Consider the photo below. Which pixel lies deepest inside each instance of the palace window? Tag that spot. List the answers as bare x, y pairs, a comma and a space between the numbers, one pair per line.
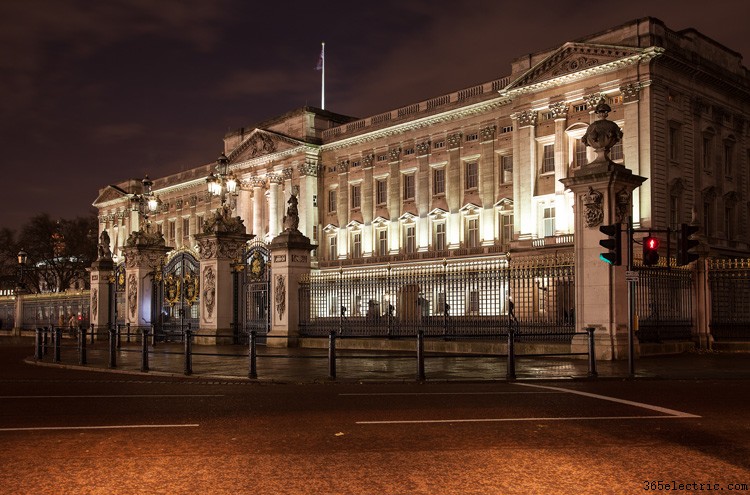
356, 251
382, 242
333, 252
548, 158
199, 223
408, 151
729, 223
332, 201
410, 239
473, 308
472, 175
581, 107
438, 181
408, 187
185, 229
356, 197
708, 213
674, 211
172, 232
728, 155
438, 144
507, 128
615, 153
706, 153
439, 243
506, 169
472, 137
579, 153
506, 228
381, 192
472, 232
382, 157
548, 221
674, 142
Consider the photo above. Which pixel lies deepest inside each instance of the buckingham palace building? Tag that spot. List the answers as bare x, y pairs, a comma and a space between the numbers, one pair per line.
396, 204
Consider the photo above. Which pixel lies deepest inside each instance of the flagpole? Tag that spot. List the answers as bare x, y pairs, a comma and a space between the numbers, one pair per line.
323, 76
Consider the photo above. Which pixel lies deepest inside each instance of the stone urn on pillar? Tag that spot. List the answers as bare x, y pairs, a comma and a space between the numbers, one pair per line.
603, 196
222, 242
290, 260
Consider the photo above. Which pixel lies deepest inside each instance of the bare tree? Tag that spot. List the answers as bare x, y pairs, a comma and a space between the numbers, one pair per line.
59, 251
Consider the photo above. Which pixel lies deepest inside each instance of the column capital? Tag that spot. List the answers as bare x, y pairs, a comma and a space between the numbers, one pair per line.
275, 178
526, 118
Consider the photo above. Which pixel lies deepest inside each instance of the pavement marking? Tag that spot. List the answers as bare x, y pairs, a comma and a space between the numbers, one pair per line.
124, 396
671, 412
377, 394
511, 420
112, 427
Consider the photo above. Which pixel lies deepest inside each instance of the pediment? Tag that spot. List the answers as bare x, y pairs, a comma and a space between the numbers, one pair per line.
261, 142
110, 193
571, 58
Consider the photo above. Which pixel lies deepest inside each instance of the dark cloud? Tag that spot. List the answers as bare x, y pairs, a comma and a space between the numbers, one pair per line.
93, 93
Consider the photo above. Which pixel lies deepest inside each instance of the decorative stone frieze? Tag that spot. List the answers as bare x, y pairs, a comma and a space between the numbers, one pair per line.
258, 181
527, 118
592, 99
423, 148
488, 132
132, 294
280, 295
559, 110
275, 178
308, 169
630, 92
454, 140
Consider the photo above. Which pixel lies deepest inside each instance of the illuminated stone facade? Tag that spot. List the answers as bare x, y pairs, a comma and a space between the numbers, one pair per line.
478, 170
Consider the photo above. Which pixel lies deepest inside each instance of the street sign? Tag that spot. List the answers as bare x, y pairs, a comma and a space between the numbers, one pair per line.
631, 276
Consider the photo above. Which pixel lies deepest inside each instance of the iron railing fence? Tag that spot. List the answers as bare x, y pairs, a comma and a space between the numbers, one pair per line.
729, 281
477, 298
7, 313
63, 309
664, 301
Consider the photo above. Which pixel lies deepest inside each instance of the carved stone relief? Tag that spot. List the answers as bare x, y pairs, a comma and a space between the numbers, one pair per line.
280, 295
593, 211
132, 294
209, 292
94, 302
622, 205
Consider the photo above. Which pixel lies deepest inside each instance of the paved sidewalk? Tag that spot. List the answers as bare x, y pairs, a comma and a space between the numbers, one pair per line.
295, 365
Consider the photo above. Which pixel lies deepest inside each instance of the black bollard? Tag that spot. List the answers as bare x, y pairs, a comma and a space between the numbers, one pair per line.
38, 345
127, 325
511, 371
332, 355
56, 338
144, 349
82, 345
420, 355
188, 352
592, 353
45, 341
253, 356
113, 347
92, 334
118, 330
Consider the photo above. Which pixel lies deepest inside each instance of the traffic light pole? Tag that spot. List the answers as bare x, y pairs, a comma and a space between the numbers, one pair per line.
631, 303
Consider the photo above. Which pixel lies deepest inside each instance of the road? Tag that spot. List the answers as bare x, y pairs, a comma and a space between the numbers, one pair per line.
86, 432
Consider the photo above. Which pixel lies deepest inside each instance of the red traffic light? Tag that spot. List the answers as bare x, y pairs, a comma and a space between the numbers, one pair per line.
650, 251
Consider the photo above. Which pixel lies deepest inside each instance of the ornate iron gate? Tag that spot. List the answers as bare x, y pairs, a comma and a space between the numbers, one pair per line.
177, 297
253, 290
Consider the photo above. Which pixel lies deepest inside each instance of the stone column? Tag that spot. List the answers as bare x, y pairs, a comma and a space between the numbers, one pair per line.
603, 196
454, 190
274, 218
290, 260
487, 184
524, 155
308, 195
220, 246
559, 112
259, 198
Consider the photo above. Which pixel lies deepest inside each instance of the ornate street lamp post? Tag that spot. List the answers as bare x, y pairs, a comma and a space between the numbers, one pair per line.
22, 259
146, 203
222, 183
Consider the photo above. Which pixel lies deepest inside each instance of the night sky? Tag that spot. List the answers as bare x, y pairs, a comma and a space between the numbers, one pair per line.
96, 92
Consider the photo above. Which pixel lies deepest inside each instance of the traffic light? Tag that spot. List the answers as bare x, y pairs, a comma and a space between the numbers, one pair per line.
613, 243
650, 250
685, 244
